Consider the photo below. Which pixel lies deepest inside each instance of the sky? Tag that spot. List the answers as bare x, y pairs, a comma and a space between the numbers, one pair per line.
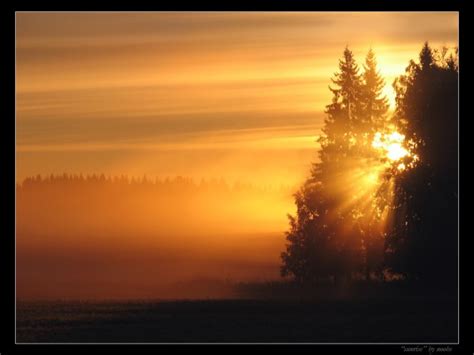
234, 95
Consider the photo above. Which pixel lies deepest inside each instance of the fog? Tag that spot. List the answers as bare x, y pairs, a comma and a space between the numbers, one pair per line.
101, 237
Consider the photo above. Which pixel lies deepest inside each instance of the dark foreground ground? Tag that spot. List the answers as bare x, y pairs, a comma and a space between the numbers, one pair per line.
338, 321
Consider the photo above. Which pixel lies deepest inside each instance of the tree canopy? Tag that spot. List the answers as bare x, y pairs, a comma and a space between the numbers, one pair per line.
368, 205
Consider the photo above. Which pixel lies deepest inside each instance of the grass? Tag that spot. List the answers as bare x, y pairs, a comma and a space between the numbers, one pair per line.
394, 312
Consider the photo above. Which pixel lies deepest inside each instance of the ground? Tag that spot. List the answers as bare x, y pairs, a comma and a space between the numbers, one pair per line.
244, 320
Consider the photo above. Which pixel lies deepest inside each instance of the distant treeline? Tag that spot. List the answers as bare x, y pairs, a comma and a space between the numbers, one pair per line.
177, 183
86, 236
98, 207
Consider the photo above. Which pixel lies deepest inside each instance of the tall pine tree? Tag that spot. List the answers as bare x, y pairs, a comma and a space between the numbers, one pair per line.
318, 246
374, 119
423, 242
374, 103
331, 235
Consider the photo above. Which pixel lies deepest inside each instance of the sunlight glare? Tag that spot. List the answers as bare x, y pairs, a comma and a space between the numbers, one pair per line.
394, 147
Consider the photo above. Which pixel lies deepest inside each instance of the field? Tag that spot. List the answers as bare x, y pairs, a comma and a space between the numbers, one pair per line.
238, 320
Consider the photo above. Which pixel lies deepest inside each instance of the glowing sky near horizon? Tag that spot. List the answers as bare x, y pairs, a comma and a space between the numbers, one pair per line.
233, 95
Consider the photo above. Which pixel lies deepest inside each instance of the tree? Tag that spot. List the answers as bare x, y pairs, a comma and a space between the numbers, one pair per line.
374, 103
306, 257
337, 231
423, 241
343, 112
373, 119
318, 247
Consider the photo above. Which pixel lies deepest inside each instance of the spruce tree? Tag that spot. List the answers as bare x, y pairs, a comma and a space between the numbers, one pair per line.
424, 236
374, 103
317, 245
373, 119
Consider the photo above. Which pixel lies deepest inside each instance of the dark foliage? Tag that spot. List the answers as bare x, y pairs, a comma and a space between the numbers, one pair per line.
327, 242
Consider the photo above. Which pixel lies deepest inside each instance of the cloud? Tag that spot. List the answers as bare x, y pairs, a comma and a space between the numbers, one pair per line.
140, 82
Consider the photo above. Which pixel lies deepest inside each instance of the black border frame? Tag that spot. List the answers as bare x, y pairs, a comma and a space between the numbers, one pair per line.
7, 176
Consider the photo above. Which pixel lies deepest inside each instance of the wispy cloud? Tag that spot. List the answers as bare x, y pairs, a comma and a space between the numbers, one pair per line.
143, 82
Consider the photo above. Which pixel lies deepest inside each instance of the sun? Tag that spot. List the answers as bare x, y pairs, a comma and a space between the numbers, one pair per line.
395, 149
373, 180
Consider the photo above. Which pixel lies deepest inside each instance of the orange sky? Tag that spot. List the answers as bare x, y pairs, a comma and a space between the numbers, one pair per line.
238, 96
233, 95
